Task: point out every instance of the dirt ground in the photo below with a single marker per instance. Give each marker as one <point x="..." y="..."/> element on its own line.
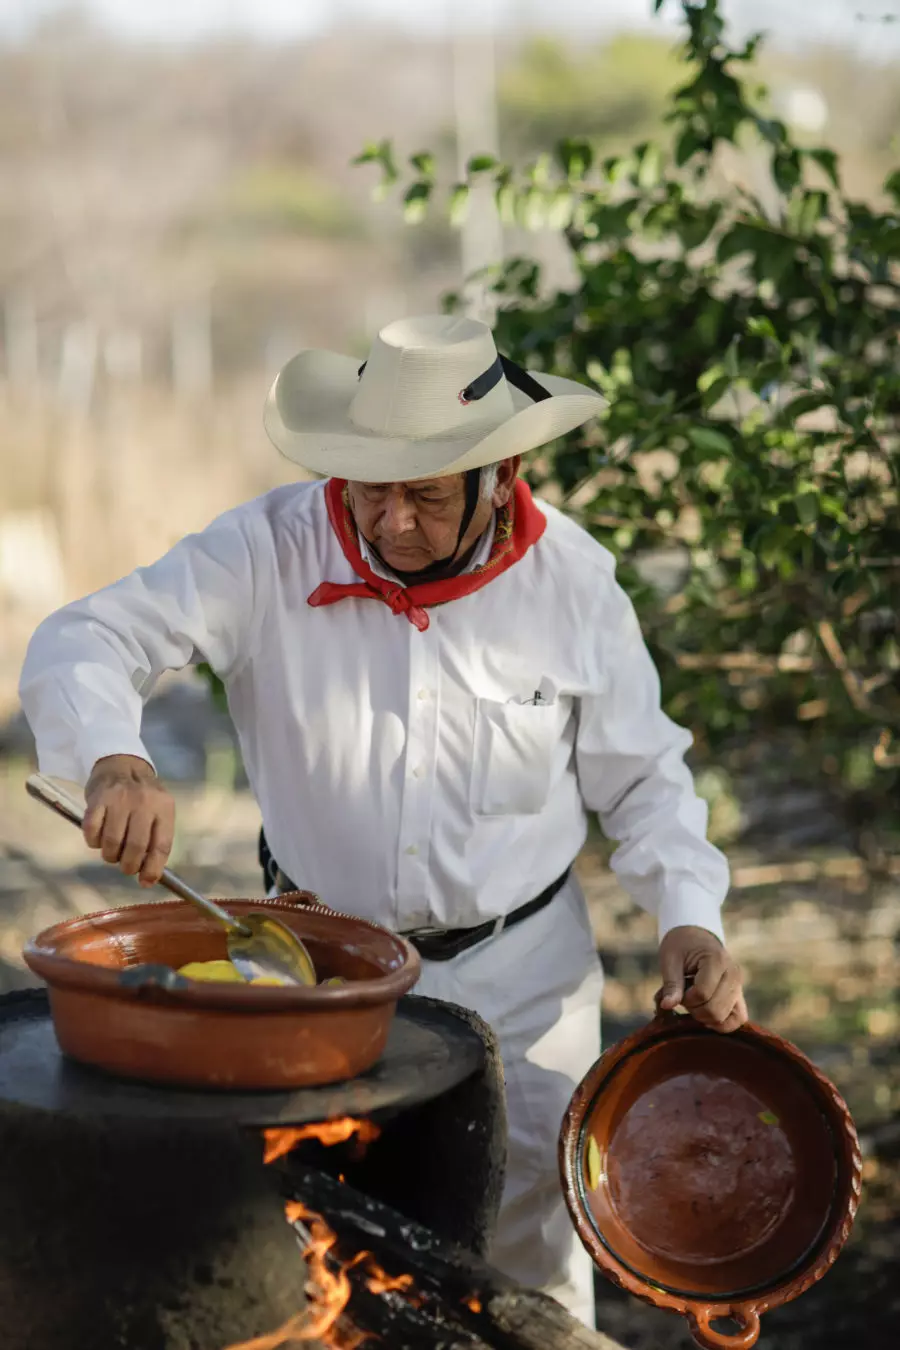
<point x="822" y="968"/>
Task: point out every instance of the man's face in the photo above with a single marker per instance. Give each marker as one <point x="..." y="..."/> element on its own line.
<point x="414" y="524"/>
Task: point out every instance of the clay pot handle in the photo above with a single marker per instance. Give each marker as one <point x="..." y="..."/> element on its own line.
<point x="710" y="1339"/>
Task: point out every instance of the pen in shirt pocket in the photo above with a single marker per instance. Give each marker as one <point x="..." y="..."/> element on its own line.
<point x="544" y="694"/>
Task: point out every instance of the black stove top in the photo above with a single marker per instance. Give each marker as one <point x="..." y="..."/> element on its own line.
<point x="430" y="1050"/>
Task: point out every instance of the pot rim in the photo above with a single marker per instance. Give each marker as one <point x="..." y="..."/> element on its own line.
<point x="64" y="972"/>
<point x="701" y="1309"/>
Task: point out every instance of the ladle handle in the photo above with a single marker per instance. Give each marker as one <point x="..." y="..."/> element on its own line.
<point x="43" y="790"/>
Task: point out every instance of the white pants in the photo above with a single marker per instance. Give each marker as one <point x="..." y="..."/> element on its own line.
<point x="538" y="986"/>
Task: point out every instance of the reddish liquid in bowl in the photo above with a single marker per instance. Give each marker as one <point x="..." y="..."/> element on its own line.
<point x="715" y="1176"/>
<point x="719" y="1166"/>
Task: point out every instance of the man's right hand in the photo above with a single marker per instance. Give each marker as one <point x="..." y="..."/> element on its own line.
<point x="130" y="816"/>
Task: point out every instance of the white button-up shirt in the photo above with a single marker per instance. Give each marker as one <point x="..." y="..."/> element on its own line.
<point x="436" y="778"/>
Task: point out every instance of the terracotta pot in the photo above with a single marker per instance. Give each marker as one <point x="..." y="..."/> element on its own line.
<point x="726" y="1173"/>
<point x="233" y="1036"/>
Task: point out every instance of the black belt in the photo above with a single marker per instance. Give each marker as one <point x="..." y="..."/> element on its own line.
<point x="435" y="944"/>
<point x="442" y="944"/>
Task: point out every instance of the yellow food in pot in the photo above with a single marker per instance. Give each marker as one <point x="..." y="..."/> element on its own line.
<point x="216" y="972"/>
<point x="224" y="972"/>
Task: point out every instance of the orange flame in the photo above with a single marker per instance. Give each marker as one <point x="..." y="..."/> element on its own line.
<point x="379" y="1282"/>
<point x="328" y="1279"/>
<point x="473" y="1303"/>
<point x="332" y="1292"/>
<point x="281" y="1141"/>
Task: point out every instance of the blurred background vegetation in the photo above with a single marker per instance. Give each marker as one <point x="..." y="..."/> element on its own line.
<point x="175" y="220"/>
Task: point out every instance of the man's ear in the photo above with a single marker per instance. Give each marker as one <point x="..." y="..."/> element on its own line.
<point x="507" y="473"/>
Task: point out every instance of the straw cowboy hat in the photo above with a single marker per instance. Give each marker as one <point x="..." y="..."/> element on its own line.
<point x="432" y="399"/>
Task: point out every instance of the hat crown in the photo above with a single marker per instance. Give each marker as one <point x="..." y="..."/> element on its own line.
<point x="415" y="374"/>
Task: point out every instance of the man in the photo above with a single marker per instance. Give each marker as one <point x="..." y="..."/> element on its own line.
<point x="434" y="681"/>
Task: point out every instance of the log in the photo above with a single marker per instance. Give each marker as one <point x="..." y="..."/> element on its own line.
<point x="463" y="1302"/>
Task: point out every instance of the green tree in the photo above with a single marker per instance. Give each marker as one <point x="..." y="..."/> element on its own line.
<point x="748" y="344"/>
<point x="612" y="93"/>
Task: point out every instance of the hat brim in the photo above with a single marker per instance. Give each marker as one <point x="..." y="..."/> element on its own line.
<point x="307" y="418"/>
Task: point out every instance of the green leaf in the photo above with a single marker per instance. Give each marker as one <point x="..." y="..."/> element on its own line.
<point x="827" y="160"/>
<point x="806" y="403"/>
<point x="649" y="166"/>
<point x="892" y="184"/>
<point x="771" y="130"/>
<point x="423" y="163"/>
<point x="740" y="238"/>
<point x="505" y="197"/>
<point x="576" y="158"/>
<point x="688" y="144"/>
<point x="806" y="210"/>
<point x="532" y="210"/>
<point x="415" y="202"/>
<point x="709" y="440"/>
<point x="750" y="48"/>
<point x="382" y="153"/>
<point x="808" y="508"/>
<point x="694" y="227"/>
<point x="481" y="164"/>
<point x="759" y="326"/>
<point x="844" y="583"/>
<point x="786" y="170"/>
<point x="459" y="203"/>
<point x="716" y="390"/>
<point x="775" y="255"/>
<point x="710" y="376"/>
<point x="561" y="205"/>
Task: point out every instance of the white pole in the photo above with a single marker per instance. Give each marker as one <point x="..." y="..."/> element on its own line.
<point x="475" y="114"/>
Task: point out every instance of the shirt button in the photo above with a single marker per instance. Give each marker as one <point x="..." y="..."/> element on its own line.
<point x="417" y="773"/>
<point x="412" y="850"/>
<point x="423" y="694"/>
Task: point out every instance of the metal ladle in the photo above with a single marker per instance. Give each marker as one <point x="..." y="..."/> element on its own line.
<point x="258" y="945"/>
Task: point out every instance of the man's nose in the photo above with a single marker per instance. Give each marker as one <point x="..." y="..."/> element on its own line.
<point x="399" y="515"/>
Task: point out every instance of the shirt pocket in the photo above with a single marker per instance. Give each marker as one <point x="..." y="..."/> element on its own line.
<point x="513" y="756"/>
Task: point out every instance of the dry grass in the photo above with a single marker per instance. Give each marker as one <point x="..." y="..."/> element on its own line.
<point x="112" y="490"/>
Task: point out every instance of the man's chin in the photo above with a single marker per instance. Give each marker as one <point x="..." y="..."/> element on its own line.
<point x="410" y="560"/>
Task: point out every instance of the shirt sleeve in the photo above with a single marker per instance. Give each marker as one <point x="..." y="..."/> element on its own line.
<point x="630" y="761"/>
<point x="90" y="666"/>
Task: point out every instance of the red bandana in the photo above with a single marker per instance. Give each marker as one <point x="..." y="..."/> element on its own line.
<point x="519" y="525"/>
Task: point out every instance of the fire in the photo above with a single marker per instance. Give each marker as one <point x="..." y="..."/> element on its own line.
<point x="329" y="1283"/>
<point x="473" y="1303"/>
<point x="379" y="1282"/>
<point x="331" y="1286"/>
<point x="281" y="1141"/>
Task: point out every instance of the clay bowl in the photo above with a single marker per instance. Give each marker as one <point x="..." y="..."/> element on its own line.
<point x="727" y="1173"/>
<point x="229" y="1036"/>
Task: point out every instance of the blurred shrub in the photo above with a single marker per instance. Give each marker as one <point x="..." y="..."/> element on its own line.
<point x="615" y="92"/>
<point x="283" y="198"/>
<point x="748" y="344"/>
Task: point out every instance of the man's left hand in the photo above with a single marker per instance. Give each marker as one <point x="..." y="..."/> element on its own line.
<point x="696" y="958"/>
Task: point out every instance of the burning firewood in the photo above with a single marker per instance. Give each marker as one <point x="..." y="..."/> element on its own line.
<point x="375" y="1276"/>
